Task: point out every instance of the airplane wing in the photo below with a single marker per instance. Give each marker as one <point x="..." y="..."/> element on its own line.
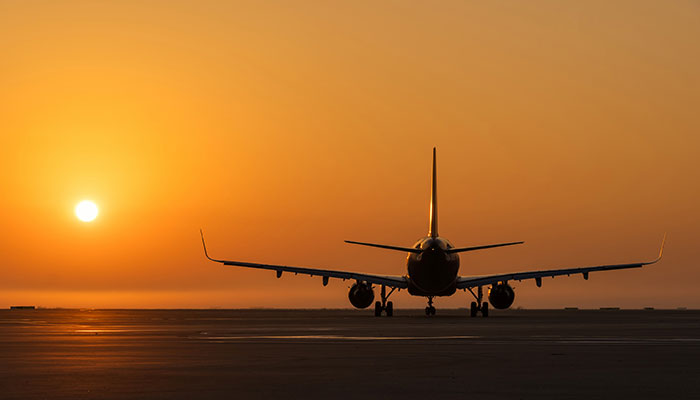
<point x="474" y="281"/>
<point x="400" y="282"/>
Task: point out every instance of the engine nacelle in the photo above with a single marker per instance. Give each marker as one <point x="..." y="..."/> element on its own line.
<point x="501" y="296"/>
<point x="361" y="295"/>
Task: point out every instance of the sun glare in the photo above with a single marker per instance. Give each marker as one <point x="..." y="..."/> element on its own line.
<point x="86" y="211"/>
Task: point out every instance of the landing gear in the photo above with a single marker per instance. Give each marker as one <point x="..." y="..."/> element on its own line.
<point x="384" y="305"/>
<point x="430" y="310"/>
<point x="474" y="309"/>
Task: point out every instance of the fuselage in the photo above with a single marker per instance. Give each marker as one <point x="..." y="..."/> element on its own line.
<point x="433" y="271"/>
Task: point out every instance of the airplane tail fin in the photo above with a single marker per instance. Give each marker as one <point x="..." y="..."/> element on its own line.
<point x="433" y="229"/>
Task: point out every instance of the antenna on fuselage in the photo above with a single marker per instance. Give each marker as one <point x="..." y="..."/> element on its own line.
<point x="433" y="230"/>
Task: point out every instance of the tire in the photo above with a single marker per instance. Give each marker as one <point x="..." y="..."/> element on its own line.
<point x="474" y="309"/>
<point x="389" y="309"/>
<point x="427" y="311"/>
<point x="485" y="309"/>
<point x="432" y="310"/>
<point x="377" y="309"/>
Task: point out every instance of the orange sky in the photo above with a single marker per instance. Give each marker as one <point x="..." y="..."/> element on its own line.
<point x="283" y="128"/>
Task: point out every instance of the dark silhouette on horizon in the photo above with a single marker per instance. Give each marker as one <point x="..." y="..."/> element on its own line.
<point x="433" y="270"/>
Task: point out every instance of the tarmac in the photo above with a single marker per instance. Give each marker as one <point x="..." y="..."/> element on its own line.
<point x="330" y="354"/>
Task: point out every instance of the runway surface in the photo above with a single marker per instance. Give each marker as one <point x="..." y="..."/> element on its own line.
<point x="193" y="354"/>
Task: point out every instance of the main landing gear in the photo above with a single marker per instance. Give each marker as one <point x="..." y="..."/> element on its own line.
<point x="430" y="310"/>
<point x="477" y="306"/>
<point x="384" y="305"/>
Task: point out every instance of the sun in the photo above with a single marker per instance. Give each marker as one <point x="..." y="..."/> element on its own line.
<point x="86" y="211"/>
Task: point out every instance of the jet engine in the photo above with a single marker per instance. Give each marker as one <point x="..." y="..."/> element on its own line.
<point x="501" y="296"/>
<point x="361" y="295"/>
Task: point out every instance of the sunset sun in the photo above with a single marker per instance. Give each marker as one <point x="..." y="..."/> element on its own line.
<point x="86" y="211"/>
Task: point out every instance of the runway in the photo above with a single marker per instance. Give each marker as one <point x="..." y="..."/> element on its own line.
<point x="187" y="354"/>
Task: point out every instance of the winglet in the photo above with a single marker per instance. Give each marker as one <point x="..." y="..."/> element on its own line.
<point x="661" y="252"/>
<point x="204" y="245"/>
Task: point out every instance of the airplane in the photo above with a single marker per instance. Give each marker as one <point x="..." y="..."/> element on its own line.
<point x="432" y="270"/>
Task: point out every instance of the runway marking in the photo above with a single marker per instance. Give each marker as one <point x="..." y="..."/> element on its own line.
<point x="626" y="340"/>
<point x="335" y="337"/>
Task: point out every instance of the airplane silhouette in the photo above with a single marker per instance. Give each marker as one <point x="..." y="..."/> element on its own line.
<point x="433" y="267"/>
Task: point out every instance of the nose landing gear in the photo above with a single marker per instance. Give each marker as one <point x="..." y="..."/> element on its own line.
<point x="477" y="306"/>
<point x="430" y="310"/>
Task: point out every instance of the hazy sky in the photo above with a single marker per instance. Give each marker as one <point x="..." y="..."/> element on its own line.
<point x="283" y="128"/>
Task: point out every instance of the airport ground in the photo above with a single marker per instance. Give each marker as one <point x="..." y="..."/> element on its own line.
<point x="314" y="354"/>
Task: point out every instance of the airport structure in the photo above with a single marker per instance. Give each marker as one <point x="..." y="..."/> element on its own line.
<point x="432" y="270"/>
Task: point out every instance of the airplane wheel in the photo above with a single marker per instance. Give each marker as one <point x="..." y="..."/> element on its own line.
<point x="377" y="309"/>
<point x="474" y="309"/>
<point x="485" y="309"/>
<point x="427" y="311"/>
<point x="432" y="310"/>
<point x="389" y="309"/>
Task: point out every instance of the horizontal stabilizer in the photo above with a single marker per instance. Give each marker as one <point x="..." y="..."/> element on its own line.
<point x="384" y="246"/>
<point x="488" y="246"/>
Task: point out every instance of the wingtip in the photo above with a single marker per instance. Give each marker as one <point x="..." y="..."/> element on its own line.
<point x="204" y="245"/>
<point x="663" y="243"/>
<point x="661" y="252"/>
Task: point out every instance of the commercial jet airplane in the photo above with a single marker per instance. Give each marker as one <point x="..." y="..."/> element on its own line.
<point x="433" y="267"/>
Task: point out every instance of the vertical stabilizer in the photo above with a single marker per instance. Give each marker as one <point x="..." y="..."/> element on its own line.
<point x="433" y="231"/>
